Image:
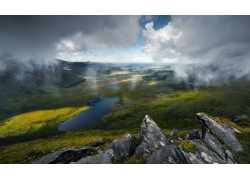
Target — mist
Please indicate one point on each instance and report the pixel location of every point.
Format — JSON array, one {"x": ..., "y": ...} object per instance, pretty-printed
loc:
[
  {"x": 217, "y": 46},
  {"x": 44, "y": 38}
]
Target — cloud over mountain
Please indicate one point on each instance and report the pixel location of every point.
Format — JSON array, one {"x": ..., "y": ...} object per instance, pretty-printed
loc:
[
  {"x": 220, "y": 41},
  {"x": 34, "y": 37}
]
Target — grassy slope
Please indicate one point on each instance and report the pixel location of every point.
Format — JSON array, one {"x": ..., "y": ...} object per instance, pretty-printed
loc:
[{"x": 38, "y": 134}]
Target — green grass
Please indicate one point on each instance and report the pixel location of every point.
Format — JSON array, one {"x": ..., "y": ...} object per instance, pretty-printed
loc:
[
  {"x": 29, "y": 129},
  {"x": 36, "y": 121}
]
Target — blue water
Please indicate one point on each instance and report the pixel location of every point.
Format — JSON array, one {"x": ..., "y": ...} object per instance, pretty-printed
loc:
[
  {"x": 116, "y": 87},
  {"x": 92, "y": 115}
]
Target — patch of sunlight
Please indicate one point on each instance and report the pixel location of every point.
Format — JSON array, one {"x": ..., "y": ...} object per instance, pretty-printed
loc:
[
  {"x": 152, "y": 83},
  {"x": 42, "y": 119},
  {"x": 118, "y": 73},
  {"x": 125, "y": 80}
]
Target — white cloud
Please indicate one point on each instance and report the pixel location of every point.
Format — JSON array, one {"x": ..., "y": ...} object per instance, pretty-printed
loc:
[
  {"x": 221, "y": 41},
  {"x": 196, "y": 37},
  {"x": 123, "y": 34},
  {"x": 41, "y": 37},
  {"x": 161, "y": 43}
]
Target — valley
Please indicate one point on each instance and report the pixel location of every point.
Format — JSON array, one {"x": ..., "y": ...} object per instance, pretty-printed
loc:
[{"x": 32, "y": 110}]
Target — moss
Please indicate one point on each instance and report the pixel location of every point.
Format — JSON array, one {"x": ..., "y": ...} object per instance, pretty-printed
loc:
[
  {"x": 198, "y": 141},
  {"x": 187, "y": 146},
  {"x": 246, "y": 120},
  {"x": 176, "y": 143},
  {"x": 173, "y": 95}
]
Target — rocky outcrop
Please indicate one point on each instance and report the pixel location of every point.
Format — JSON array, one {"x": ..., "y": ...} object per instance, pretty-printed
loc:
[
  {"x": 194, "y": 134},
  {"x": 102, "y": 158},
  {"x": 64, "y": 156},
  {"x": 168, "y": 154},
  {"x": 121, "y": 148},
  {"x": 225, "y": 133},
  {"x": 151, "y": 137},
  {"x": 208, "y": 146},
  {"x": 67, "y": 155}
]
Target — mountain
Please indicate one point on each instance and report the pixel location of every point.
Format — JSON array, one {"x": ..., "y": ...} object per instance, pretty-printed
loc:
[{"x": 18, "y": 78}]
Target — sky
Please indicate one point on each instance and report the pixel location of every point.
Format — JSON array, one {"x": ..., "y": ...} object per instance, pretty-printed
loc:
[
  {"x": 214, "y": 42},
  {"x": 129, "y": 38},
  {"x": 77, "y": 38}
]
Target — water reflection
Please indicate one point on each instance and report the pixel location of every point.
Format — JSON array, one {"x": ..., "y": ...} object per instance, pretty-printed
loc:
[{"x": 92, "y": 115}]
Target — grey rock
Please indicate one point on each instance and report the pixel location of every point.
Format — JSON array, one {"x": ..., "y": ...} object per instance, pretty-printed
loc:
[
  {"x": 193, "y": 158},
  {"x": 238, "y": 120},
  {"x": 102, "y": 158},
  {"x": 224, "y": 154},
  {"x": 151, "y": 137},
  {"x": 65, "y": 155},
  {"x": 206, "y": 155},
  {"x": 225, "y": 134},
  {"x": 215, "y": 145},
  {"x": 123, "y": 147},
  {"x": 168, "y": 154},
  {"x": 229, "y": 157},
  {"x": 194, "y": 134}
]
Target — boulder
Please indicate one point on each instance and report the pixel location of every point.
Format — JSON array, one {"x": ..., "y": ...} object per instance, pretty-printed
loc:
[
  {"x": 123, "y": 147},
  {"x": 102, "y": 158},
  {"x": 194, "y": 134},
  {"x": 168, "y": 154},
  {"x": 238, "y": 120},
  {"x": 65, "y": 155},
  {"x": 225, "y": 134},
  {"x": 151, "y": 137}
]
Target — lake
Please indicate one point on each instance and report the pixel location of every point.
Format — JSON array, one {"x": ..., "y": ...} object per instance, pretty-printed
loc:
[
  {"x": 92, "y": 115},
  {"x": 116, "y": 87}
]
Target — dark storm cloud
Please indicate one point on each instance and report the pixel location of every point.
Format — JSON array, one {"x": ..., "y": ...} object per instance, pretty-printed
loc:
[
  {"x": 221, "y": 41},
  {"x": 26, "y": 37}
]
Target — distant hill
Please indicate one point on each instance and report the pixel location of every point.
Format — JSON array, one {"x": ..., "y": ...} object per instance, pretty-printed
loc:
[{"x": 18, "y": 78}]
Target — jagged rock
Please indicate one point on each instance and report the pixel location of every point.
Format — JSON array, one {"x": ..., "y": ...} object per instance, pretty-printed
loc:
[
  {"x": 225, "y": 134},
  {"x": 123, "y": 147},
  {"x": 202, "y": 155},
  {"x": 155, "y": 145},
  {"x": 102, "y": 158},
  {"x": 193, "y": 158},
  {"x": 238, "y": 120},
  {"x": 151, "y": 137},
  {"x": 194, "y": 134},
  {"x": 168, "y": 154},
  {"x": 229, "y": 157},
  {"x": 63, "y": 156},
  {"x": 207, "y": 155},
  {"x": 224, "y": 154}
]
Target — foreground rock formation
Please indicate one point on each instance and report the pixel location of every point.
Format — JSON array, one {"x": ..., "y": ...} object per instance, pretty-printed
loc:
[{"x": 208, "y": 146}]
